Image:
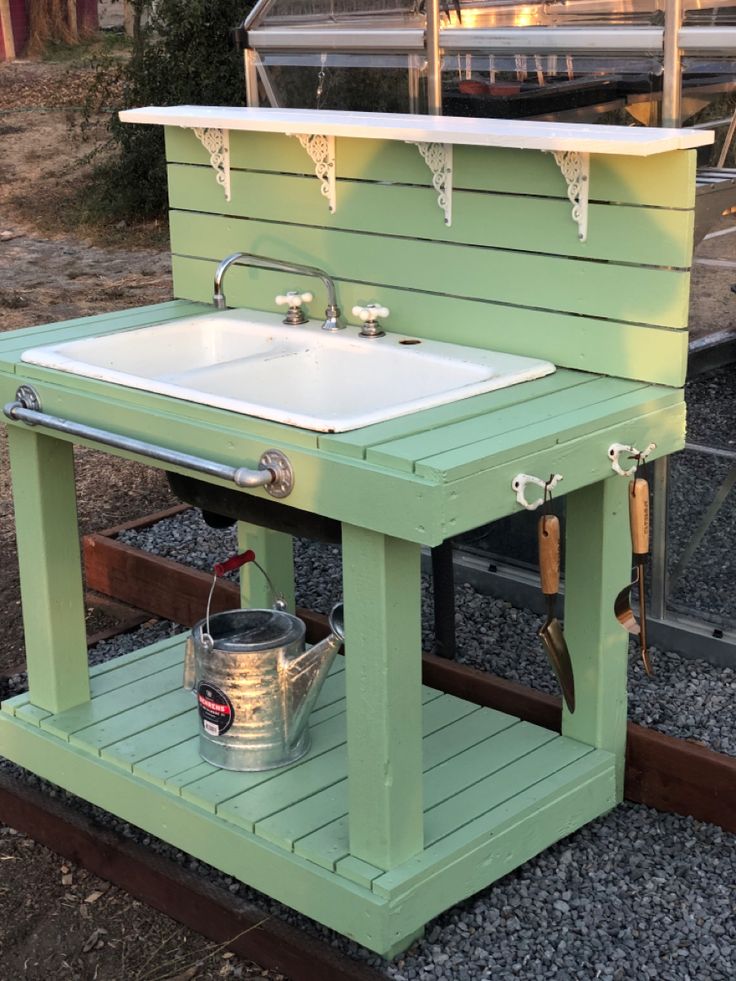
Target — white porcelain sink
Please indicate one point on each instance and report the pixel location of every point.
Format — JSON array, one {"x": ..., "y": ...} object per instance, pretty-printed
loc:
[{"x": 304, "y": 376}]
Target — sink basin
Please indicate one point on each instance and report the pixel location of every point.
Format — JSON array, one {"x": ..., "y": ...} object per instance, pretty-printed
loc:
[{"x": 253, "y": 364}]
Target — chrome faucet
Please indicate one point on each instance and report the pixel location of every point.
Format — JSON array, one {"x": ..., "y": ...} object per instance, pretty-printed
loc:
[{"x": 333, "y": 319}]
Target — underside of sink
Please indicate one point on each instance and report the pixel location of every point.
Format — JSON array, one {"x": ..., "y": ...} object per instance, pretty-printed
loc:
[{"x": 251, "y": 363}]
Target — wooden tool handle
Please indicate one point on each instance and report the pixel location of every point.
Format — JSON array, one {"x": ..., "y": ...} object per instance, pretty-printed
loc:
[
  {"x": 548, "y": 533},
  {"x": 639, "y": 515}
]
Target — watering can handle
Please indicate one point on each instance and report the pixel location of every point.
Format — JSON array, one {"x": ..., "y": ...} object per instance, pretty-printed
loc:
[{"x": 235, "y": 562}]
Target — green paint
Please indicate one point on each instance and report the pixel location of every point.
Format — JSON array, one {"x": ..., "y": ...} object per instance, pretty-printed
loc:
[
  {"x": 665, "y": 180},
  {"x": 383, "y": 682},
  {"x": 598, "y": 643},
  {"x": 50, "y": 569},
  {"x": 651, "y": 236},
  {"x": 275, "y": 553}
]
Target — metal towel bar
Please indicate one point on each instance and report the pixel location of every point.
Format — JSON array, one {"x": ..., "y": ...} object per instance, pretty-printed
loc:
[{"x": 274, "y": 471}]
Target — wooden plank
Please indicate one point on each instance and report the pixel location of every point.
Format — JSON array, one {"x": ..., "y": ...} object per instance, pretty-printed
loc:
[
  {"x": 664, "y": 181},
  {"x": 167, "y": 654},
  {"x": 583, "y": 343},
  {"x": 503, "y": 838},
  {"x": 519, "y": 424},
  {"x": 50, "y": 569},
  {"x": 484, "y": 497},
  {"x": 597, "y": 565},
  {"x": 381, "y": 588},
  {"x": 578, "y": 418},
  {"x": 64, "y": 724},
  {"x": 148, "y": 742},
  {"x": 642, "y": 295},
  {"x": 281, "y": 809},
  {"x": 447, "y": 775},
  {"x": 650, "y": 236},
  {"x": 216, "y": 790},
  {"x": 215, "y": 787},
  {"x": 157, "y": 769},
  {"x": 139, "y": 718}
]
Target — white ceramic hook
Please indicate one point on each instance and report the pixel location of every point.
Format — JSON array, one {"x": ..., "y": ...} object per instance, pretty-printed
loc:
[
  {"x": 520, "y": 482},
  {"x": 616, "y": 449}
]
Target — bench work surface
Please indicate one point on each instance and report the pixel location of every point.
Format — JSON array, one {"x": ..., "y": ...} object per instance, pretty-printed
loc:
[{"x": 444, "y": 470}]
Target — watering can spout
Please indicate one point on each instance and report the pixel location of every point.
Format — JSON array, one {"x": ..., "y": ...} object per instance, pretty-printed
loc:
[{"x": 306, "y": 672}]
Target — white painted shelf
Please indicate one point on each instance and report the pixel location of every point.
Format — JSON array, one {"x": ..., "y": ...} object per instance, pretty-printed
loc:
[{"x": 520, "y": 134}]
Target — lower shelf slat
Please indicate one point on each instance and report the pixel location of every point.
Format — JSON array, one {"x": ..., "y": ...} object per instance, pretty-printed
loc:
[{"x": 496, "y": 791}]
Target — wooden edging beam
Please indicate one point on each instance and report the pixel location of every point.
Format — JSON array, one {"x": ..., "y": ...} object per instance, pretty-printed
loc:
[
  {"x": 661, "y": 771},
  {"x": 237, "y": 925}
]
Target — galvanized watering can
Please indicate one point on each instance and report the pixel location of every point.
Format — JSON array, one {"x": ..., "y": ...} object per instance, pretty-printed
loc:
[{"x": 256, "y": 684}]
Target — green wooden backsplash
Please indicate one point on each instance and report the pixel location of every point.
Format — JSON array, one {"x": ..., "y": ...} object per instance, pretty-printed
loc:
[{"x": 509, "y": 273}]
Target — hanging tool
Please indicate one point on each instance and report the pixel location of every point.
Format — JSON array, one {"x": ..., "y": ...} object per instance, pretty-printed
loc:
[
  {"x": 548, "y": 533},
  {"x": 639, "y": 521}
]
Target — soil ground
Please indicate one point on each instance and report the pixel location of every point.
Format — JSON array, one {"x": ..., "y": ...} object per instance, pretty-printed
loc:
[
  {"x": 51, "y": 268},
  {"x": 56, "y": 920}
]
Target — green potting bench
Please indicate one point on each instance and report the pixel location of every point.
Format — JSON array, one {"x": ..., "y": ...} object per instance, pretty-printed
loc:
[{"x": 410, "y": 799}]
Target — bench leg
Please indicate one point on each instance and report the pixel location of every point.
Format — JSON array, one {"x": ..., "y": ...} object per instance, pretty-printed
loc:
[
  {"x": 597, "y": 566},
  {"x": 50, "y": 569},
  {"x": 383, "y": 668},
  {"x": 275, "y": 552}
]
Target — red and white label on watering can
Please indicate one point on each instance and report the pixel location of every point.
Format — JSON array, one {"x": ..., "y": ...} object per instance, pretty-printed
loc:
[{"x": 215, "y": 709}]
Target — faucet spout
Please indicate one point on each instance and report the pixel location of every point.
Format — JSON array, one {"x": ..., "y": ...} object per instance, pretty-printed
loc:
[{"x": 333, "y": 318}]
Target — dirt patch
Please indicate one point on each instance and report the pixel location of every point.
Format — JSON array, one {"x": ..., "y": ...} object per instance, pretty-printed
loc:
[{"x": 59, "y": 921}]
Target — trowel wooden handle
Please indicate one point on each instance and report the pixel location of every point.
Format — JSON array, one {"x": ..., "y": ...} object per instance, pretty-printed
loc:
[
  {"x": 639, "y": 515},
  {"x": 548, "y": 533}
]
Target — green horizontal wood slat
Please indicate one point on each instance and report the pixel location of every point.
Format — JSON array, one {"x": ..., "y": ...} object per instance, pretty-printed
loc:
[
  {"x": 664, "y": 180},
  {"x": 517, "y": 424},
  {"x": 139, "y": 718},
  {"x": 155, "y": 739},
  {"x": 651, "y": 236},
  {"x": 213, "y": 789},
  {"x": 64, "y": 724},
  {"x": 606, "y": 347},
  {"x": 505, "y": 836},
  {"x": 164, "y": 764},
  {"x": 487, "y": 495},
  {"x": 285, "y": 807},
  {"x": 573, "y": 422},
  {"x": 597, "y": 289}
]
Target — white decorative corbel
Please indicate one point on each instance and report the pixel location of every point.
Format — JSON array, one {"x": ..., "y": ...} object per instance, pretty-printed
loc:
[
  {"x": 217, "y": 143},
  {"x": 575, "y": 169},
  {"x": 438, "y": 157},
  {"x": 321, "y": 150}
]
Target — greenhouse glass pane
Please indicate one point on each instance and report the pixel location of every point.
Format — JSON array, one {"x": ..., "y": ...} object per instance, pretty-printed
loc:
[{"x": 333, "y": 12}]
